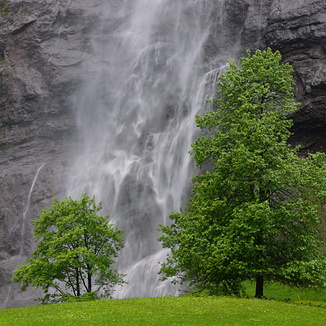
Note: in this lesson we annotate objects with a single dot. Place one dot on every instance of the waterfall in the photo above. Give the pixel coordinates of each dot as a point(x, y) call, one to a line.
point(23, 227)
point(150, 75)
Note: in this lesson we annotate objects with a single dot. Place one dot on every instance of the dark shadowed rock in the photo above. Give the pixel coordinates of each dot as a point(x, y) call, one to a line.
point(298, 30)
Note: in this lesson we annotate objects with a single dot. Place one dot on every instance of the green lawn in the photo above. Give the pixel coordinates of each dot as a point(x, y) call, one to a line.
point(168, 311)
point(282, 292)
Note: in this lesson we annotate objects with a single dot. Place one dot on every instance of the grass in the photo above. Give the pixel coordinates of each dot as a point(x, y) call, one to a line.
point(168, 311)
point(306, 308)
point(286, 293)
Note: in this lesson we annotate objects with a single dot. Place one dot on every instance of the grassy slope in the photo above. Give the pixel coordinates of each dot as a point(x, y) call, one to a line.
point(282, 292)
point(168, 311)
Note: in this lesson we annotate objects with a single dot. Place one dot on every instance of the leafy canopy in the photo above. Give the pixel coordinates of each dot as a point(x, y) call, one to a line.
point(75, 248)
point(254, 213)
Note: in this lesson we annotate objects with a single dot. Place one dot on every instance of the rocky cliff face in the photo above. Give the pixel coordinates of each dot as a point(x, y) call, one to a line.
point(298, 31)
point(46, 54)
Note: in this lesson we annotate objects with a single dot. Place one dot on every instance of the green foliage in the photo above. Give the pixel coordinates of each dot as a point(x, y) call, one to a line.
point(76, 247)
point(167, 311)
point(255, 213)
point(68, 298)
point(4, 8)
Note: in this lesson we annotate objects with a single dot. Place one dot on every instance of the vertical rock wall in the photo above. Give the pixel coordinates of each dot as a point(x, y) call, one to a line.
point(44, 55)
point(298, 30)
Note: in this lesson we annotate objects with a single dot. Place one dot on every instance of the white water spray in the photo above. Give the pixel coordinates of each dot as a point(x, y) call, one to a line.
point(136, 123)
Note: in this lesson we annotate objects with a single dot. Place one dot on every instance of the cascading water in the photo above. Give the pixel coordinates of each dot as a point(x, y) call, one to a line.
point(136, 122)
point(23, 227)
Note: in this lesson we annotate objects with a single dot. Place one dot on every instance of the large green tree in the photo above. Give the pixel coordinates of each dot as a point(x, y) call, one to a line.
point(75, 250)
point(255, 213)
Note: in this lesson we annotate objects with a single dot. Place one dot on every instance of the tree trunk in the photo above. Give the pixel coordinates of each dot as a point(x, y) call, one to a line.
point(89, 276)
point(259, 286)
point(77, 283)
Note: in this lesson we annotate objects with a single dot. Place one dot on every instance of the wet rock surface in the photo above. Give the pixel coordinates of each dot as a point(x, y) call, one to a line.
point(46, 54)
point(299, 32)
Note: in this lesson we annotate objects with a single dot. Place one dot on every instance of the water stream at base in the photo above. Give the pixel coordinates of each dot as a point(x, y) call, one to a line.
point(136, 122)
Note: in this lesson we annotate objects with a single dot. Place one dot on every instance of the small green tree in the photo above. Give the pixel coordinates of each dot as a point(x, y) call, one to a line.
point(75, 248)
point(254, 214)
